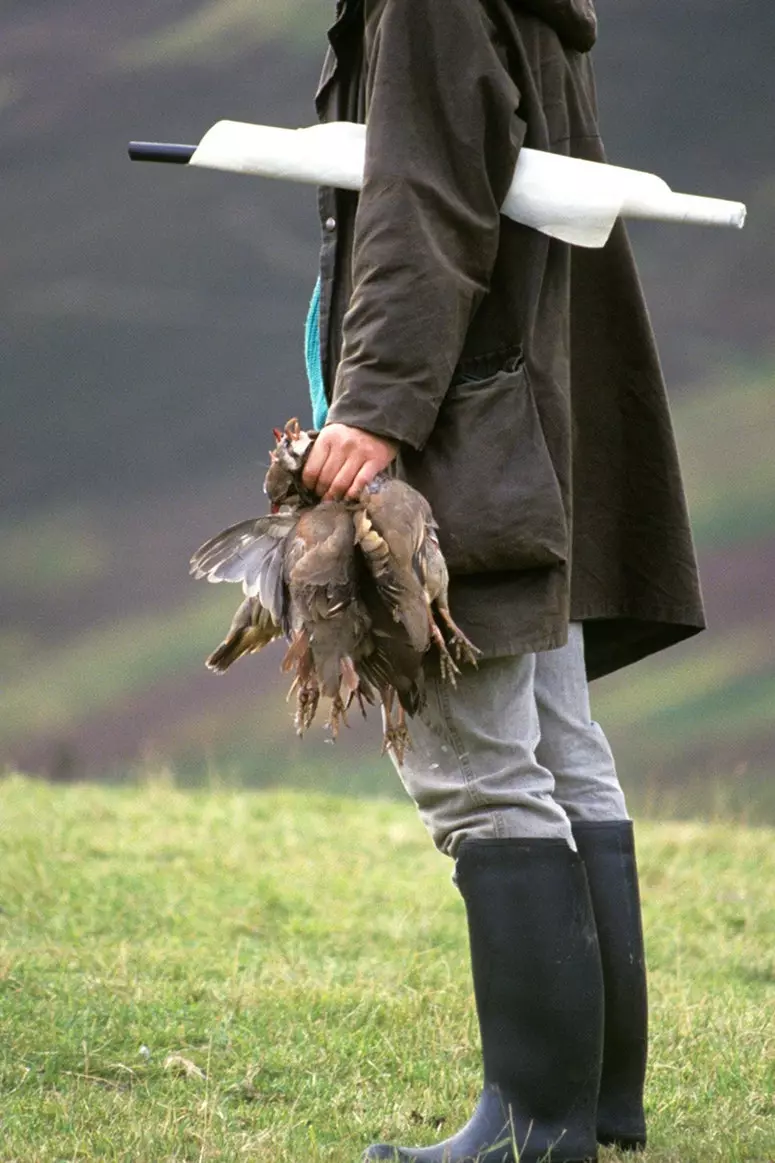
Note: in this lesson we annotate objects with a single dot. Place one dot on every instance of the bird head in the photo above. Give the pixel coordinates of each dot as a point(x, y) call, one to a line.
point(293, 445)
point(283, 484)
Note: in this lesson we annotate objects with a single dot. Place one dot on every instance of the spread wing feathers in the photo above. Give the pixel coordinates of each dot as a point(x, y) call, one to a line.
point(252, 628)
point(251, 552)
point(390, 530)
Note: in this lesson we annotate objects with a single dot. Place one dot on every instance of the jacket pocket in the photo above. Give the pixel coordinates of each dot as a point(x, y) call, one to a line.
point(488, 476)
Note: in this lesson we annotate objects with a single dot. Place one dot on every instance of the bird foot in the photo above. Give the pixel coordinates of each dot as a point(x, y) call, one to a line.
point(307, 700)
point(337, 716)
point(464, 649)
point(396, 739)
point(447, 666)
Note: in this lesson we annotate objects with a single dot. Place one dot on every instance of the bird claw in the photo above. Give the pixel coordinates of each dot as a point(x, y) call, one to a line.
point(396, 739)
point(448, 668)
point(464, 649)
point(337, 716)
point(307, 701)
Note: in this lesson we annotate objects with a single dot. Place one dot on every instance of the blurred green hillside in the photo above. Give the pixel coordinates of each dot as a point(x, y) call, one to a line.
point(150, 331)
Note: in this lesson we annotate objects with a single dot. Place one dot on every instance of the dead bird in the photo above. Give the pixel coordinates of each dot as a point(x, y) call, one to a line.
point(297, 567)
point(396, 531)
point(353, 586)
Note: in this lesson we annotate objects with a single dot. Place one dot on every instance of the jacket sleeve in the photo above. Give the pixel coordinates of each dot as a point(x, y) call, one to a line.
point(442, 141)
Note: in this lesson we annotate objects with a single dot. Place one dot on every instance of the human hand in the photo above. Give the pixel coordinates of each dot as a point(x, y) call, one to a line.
point(344, 460)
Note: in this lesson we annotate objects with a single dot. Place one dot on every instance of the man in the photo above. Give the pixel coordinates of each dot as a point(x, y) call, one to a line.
point(516, 382)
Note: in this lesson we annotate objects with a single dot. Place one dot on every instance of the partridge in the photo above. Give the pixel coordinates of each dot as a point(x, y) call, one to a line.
point(297, 568)
point(396, 531)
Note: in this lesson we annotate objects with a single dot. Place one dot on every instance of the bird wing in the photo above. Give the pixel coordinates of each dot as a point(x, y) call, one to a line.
point(390, 529)
point(253, 553)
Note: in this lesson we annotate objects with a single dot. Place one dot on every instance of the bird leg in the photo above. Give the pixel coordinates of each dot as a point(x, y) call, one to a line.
point(337, 715)
point(349, 688)
point(348, 681)
point(299, 655)
point(395, 736)
point(305, 682)
point(447, 666)
point(464, 649)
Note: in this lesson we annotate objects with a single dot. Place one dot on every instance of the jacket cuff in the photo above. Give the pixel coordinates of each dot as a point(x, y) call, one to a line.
point(392, 411)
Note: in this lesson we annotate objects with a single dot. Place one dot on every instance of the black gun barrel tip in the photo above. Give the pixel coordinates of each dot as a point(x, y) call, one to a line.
point(158, 151)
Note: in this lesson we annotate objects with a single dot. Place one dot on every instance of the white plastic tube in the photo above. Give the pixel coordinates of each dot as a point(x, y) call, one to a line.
point(568, 198)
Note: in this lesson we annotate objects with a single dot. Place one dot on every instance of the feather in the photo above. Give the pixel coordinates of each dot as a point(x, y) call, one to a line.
point(237, 553)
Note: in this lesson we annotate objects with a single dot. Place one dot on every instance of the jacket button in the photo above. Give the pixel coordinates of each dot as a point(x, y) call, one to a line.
point(330, 224)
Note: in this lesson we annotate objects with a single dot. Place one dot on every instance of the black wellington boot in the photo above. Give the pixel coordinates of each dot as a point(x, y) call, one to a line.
point(539, 998)
point(608, 852)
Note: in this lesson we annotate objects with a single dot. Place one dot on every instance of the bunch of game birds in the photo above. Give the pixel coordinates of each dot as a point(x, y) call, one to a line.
point(358, 589)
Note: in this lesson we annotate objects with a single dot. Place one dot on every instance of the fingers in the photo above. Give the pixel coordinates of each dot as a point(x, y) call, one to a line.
point(362, 478)
point(342, 482)
point(344, 460)
point(316, 462)
point(333, 468)
point(352, 479)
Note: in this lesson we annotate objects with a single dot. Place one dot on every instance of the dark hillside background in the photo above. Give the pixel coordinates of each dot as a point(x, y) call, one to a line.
point(150, 337)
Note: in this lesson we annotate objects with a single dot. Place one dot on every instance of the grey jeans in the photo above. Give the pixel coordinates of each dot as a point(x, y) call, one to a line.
point(511, 751)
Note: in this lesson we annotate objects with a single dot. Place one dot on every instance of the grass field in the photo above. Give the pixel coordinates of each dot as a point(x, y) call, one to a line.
point(226, 975)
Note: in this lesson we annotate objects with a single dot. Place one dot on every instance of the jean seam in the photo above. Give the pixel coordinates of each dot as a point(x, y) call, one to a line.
point(463, 756)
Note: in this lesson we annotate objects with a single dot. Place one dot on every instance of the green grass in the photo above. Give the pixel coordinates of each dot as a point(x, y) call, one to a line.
point(226, 975)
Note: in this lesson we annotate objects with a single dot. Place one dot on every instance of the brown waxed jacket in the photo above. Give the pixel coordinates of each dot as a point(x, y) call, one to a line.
point(519, 375)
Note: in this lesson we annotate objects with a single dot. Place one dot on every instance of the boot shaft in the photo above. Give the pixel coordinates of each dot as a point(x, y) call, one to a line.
point(608, 852)
point(538, 986)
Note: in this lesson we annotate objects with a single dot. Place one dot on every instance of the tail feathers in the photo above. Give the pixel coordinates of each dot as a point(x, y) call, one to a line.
point(252, 627)
point(221, 659)
point(413, 696)
point(243, 642)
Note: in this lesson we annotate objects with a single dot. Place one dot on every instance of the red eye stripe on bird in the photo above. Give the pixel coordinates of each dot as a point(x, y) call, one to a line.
point(354, 587)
